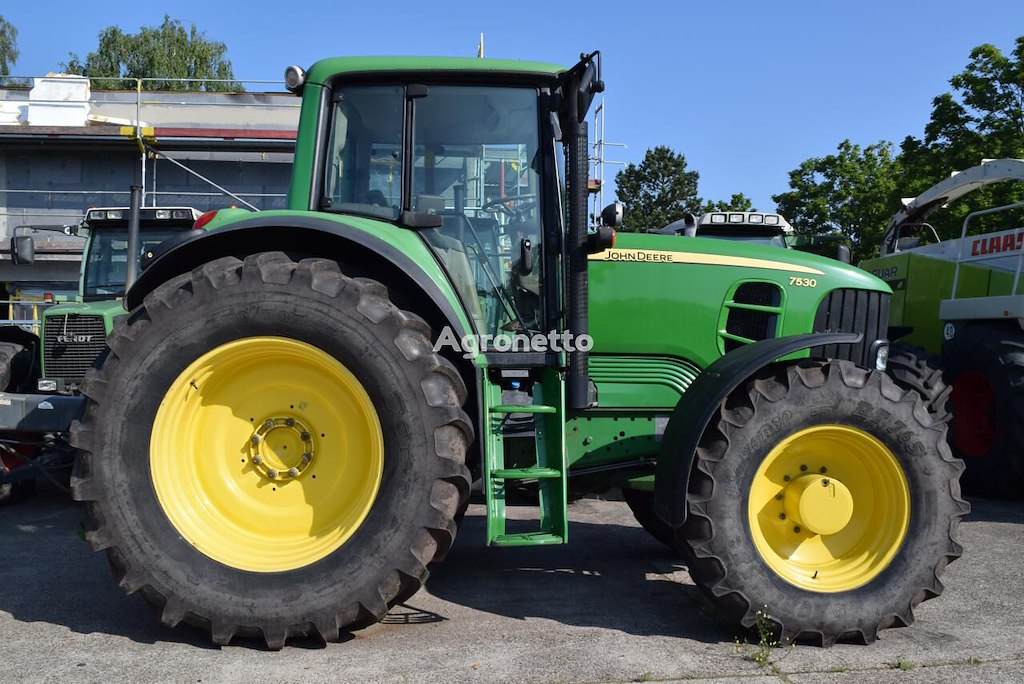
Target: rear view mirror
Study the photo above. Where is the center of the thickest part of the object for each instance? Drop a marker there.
(23, 250)
(843, 254)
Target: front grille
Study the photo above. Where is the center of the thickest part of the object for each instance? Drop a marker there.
(70, 345)
(861, 311)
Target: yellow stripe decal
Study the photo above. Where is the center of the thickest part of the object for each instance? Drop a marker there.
(659, 256)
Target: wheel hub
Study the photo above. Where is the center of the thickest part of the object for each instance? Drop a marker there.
(281, 448)
(819, 504)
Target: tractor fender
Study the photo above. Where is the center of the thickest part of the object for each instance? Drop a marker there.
(699, 403)
(296, 235)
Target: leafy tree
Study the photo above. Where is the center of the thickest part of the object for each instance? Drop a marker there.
(168, 51)
(738, 202)
(983, 118)
(852, 192)
(658, 190)
(8, 46)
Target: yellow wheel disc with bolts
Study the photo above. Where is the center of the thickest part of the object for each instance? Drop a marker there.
(266, 454)
(829, 508)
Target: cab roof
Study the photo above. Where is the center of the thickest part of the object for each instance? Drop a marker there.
(326, 68)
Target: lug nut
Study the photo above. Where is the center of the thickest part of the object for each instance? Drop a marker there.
(782, 516)
(289, 422)
(778, 497)
(269, 423)
(294, 472)
(255, 439)
(305, 436)
(803, 468)
(824, 469)
(307, 457)
(786, 478)
(257, 460)
(272, 473)
(797, 530)
(825, 482)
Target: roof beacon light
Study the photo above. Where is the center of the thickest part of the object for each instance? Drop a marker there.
(294, 79)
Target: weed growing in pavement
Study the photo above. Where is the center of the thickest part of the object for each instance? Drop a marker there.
(902, 663)
(767, 642)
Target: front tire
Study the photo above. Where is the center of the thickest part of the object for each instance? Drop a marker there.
(271, 449)
(826, 497)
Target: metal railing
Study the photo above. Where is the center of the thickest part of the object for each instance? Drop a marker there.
(140, 109)
(34, 309)
(960, 259)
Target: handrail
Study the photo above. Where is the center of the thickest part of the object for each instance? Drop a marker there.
(963, 235)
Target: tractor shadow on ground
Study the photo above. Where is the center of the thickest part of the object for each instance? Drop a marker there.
(53, 576)
(612, 576)
(994, 510)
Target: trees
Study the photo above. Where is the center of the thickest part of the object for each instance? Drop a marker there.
(169, 51)
(852, 192)
(983, 118)
(8, 46)
(658, 190)
(738, 202)
(856, 190)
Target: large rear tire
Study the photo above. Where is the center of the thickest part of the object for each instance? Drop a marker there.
(272, 449)
(825, 497)
(985, 367)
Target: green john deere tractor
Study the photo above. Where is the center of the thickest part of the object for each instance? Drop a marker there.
(284, 432)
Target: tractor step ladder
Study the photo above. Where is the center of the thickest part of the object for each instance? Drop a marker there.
(548, 472)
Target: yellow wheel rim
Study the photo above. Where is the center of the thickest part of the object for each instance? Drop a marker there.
(829, 508)
(266, 454)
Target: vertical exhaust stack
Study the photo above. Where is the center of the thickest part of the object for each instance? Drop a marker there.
(134, 208)
(582, 82)
(577, 168)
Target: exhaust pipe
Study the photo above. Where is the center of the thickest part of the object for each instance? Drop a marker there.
(134, 208)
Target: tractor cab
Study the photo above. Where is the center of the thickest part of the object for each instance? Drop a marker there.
(471, 175)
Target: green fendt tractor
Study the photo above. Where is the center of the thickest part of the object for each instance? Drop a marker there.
(73, 334)
(284, 432)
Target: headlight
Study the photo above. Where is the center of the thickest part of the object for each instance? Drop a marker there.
(880, 351)
(46, 385)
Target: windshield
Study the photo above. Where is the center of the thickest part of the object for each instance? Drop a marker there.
(106, 265)
(475, 164)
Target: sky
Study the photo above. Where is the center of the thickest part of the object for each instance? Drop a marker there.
(746, 90)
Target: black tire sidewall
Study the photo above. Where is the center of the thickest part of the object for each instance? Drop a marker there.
(332, 324)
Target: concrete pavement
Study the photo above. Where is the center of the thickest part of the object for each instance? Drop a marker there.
(612, 606)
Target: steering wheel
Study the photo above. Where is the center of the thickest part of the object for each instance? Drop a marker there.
(501, 204)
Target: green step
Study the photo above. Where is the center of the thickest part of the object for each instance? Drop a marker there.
(523, 408)
(525, 473)
(527, 539)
